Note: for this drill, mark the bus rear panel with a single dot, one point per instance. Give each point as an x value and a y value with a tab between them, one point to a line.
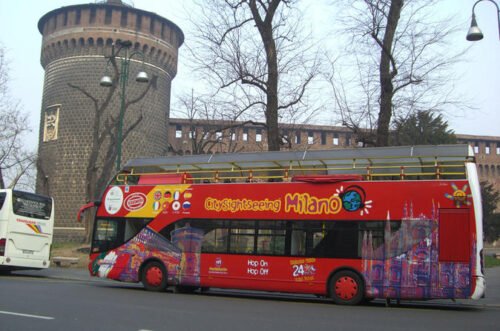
26	229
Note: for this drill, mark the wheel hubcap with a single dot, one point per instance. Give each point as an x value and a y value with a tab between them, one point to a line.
346	288
154	276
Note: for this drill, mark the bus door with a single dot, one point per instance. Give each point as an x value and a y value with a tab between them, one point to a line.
454	235
455	253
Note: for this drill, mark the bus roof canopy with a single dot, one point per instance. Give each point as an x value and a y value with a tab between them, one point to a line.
439	161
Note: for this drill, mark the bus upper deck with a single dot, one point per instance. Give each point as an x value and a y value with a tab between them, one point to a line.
410	163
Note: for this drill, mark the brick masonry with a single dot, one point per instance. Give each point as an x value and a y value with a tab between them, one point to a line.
76	41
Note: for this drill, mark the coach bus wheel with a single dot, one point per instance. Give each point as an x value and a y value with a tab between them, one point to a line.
346	288
154	276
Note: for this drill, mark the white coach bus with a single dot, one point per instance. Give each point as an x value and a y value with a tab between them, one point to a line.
26	228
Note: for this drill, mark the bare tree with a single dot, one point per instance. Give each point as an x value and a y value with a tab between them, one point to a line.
16	162
103	147
399	63
254	50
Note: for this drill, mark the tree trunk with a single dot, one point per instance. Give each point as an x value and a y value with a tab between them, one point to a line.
387	75
2	183
265	28
273	137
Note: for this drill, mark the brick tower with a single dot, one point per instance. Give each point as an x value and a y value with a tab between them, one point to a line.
78	128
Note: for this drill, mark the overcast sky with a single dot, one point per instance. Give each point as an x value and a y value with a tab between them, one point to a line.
480	81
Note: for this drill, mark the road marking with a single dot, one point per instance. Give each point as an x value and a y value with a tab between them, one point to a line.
26	315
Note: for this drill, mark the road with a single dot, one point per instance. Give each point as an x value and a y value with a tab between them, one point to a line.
68	299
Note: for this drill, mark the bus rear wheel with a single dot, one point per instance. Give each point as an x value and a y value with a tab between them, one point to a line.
346	288
154	277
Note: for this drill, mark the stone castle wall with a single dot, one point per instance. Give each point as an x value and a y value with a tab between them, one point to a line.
76	43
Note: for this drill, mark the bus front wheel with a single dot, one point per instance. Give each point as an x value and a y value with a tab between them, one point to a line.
346	288
154	277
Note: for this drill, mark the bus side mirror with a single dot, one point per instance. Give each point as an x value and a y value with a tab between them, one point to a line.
84	209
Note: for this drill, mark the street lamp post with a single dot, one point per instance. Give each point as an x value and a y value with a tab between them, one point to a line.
475	33
106	81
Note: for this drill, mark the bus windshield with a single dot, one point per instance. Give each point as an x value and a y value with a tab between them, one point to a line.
110	233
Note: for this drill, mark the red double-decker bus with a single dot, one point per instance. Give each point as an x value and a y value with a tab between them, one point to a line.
352	225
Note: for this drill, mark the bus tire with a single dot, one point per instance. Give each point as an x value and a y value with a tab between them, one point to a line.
154	276
346	288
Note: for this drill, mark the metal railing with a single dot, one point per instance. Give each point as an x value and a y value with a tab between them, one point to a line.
445	162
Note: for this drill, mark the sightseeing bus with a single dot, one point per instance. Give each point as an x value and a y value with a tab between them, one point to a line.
26	228
351	224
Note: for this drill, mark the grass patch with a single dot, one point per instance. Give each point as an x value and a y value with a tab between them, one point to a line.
491	261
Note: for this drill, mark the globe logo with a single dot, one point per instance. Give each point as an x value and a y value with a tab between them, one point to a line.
351	201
